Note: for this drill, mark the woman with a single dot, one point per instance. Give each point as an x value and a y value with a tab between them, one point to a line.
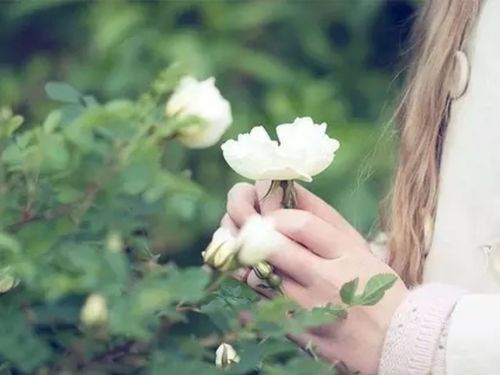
444	222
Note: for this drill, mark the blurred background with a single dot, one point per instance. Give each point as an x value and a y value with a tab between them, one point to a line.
337	61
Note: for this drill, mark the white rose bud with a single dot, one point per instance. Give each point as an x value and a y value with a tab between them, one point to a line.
221	252
204	101
226	356
304	150
7	281
94	311
258	240
114	242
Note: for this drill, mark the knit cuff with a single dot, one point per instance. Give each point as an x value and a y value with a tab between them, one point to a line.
413	336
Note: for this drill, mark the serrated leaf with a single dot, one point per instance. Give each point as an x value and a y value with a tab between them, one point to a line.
305	319
251	354
52	121
62	92
55	152
301	366
187	284
137	176
376	287
9	244
90	101
168	363
348	291
19	344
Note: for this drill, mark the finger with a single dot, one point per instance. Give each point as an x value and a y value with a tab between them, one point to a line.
288	286
269	200
260	286
229	224
308	201
241	203
295	261
298	293
242	274
313	233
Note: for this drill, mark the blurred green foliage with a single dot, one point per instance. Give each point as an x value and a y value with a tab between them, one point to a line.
275	60
81	171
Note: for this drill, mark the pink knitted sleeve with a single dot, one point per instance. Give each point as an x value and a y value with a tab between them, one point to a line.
415	343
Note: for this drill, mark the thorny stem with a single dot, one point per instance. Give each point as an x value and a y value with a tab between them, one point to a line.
289	194
217	282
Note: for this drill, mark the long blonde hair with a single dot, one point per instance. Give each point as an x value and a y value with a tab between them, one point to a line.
422	118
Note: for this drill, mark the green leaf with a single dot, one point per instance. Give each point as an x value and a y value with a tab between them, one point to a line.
376	287
308	318
62	92
52	121
301	366
348	291
137	176
251	354
90	101
68	194
168	78
19	344
167	363
9	244
187	284
9	122
55	152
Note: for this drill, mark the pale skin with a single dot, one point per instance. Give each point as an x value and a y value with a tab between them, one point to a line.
321	251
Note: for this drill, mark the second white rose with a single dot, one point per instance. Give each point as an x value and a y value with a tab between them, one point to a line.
200	99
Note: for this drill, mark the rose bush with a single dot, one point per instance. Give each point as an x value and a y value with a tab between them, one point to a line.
337	70
85	201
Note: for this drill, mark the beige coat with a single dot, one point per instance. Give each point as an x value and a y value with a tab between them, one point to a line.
465	247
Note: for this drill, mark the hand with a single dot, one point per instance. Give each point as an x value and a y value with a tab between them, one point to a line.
320	252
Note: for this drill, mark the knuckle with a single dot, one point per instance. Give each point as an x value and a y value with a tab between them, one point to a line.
237	189
304	220
300	222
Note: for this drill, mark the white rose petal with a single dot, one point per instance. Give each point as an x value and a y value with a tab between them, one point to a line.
257	240
304	150
221	251
203	100
225	356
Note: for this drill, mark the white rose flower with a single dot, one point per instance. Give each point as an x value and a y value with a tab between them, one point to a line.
94	311
257	240
225	356
221	252
304	150
254	243
204	101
